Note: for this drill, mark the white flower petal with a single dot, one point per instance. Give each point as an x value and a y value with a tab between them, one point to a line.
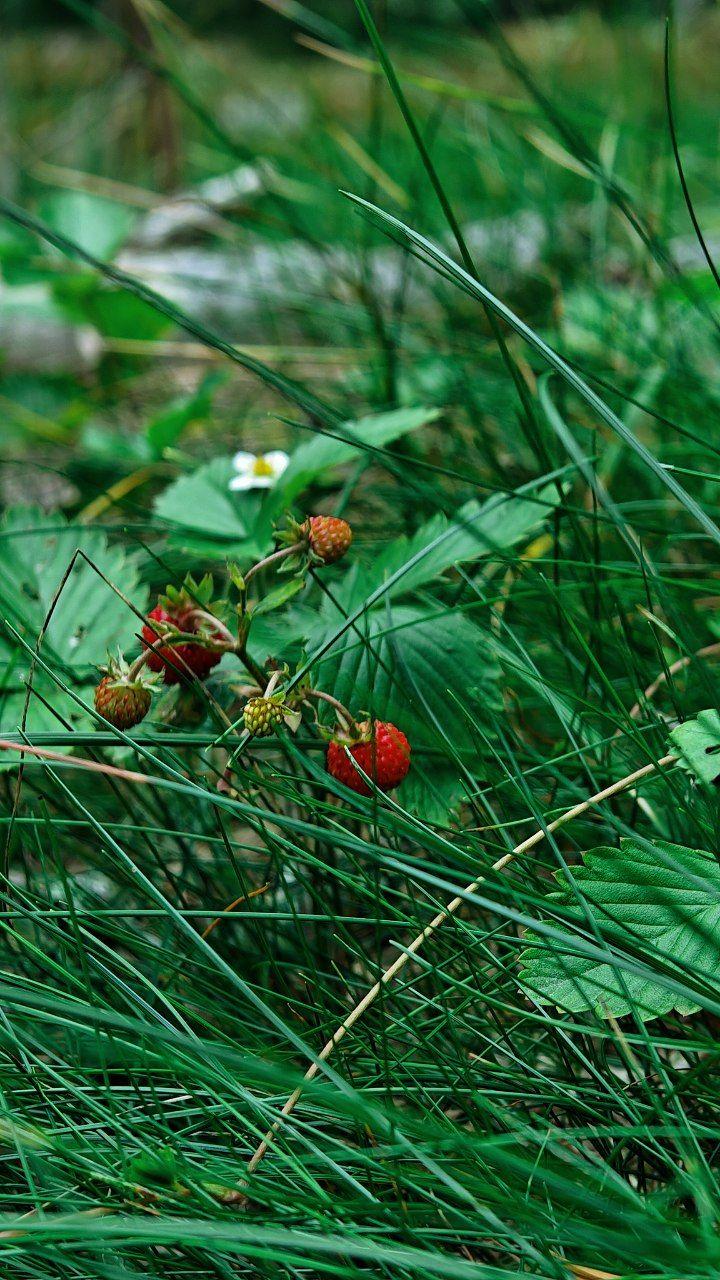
243	461
277	460
241	483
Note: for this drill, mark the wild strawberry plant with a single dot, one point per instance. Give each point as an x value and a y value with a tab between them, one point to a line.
358	735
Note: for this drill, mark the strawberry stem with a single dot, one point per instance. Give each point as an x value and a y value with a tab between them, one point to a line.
272	683
177	638
347	721
202	615
271	559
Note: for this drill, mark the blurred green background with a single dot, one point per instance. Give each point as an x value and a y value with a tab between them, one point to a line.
210	14
205	152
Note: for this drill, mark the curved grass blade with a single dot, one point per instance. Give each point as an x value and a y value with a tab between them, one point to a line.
436	258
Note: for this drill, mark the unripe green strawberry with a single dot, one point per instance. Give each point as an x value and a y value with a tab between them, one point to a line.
262	716
381	750
329	537
121	697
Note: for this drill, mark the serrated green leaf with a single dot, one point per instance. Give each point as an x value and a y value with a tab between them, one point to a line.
413	668
203	515
88	620
697	743
441	544
657	905
476	531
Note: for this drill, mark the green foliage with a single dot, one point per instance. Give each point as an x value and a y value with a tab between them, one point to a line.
77	617
187	916
652	910
205	517
697	743
166	427
433	674
359	441
476	531
98	224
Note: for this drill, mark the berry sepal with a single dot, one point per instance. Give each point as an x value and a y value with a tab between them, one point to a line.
191	613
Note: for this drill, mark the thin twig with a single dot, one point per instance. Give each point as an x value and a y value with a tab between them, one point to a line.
244	897
76	761
407	954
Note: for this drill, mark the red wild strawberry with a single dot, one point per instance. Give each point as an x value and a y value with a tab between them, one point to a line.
329	537
381	750
183	611
122	698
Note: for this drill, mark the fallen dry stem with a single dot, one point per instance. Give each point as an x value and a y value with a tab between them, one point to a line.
76	761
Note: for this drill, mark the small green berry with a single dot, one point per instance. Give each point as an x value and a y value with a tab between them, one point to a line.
262	716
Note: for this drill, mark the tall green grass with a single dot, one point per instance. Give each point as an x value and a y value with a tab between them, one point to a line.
463	1126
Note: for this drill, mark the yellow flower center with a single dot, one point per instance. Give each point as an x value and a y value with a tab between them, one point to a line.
261	467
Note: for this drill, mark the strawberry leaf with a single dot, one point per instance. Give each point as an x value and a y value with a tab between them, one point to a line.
319	456
653	909
203	515
411	666
279	596
475	531
697	743
88	620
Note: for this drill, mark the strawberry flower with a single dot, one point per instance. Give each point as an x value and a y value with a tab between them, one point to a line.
258	470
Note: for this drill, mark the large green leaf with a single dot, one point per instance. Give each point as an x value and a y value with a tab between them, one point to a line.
656	907
477	530
203	514
88	620
323	453
433	675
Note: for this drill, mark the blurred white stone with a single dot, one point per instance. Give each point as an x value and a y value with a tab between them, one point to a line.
200	209
48	346
231	284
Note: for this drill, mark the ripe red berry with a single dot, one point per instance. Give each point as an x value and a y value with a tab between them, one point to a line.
382	751
329	537
122	701
180	662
